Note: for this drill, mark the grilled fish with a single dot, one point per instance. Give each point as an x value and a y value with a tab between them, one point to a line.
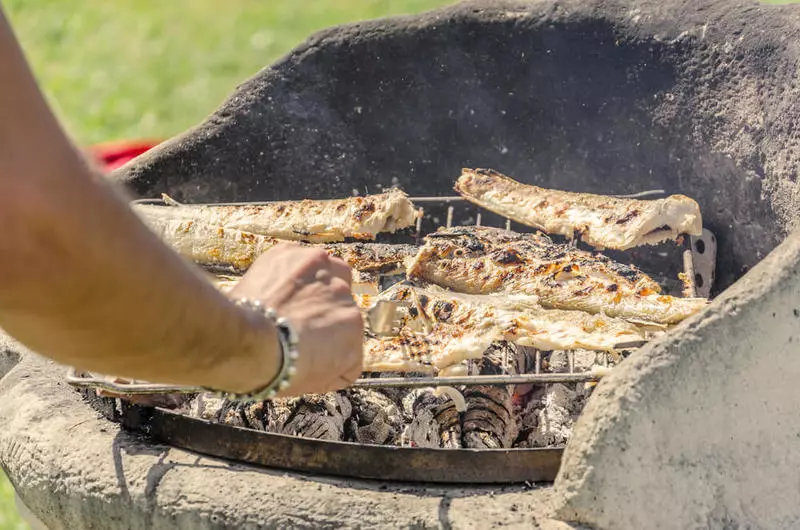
443	347
600	221
482	260
215	246
518	319
308	220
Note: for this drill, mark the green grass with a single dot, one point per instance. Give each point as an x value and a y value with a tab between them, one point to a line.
152	68
8	514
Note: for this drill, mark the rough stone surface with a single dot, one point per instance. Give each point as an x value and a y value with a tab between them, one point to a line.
699	97
77	471
700	429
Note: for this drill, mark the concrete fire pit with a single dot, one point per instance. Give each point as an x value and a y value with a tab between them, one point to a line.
698	429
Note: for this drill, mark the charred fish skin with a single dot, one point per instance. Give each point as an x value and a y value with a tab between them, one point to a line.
601	221
373	257
482	260
514	248
315	221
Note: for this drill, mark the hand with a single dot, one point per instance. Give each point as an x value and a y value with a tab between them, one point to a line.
313	292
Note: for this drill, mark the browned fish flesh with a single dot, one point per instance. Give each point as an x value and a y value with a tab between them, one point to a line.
516	319
482	260
316	221
599	220
440	348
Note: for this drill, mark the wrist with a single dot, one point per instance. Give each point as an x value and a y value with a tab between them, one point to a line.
255	362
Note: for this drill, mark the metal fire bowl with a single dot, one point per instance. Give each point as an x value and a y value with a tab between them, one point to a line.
343	459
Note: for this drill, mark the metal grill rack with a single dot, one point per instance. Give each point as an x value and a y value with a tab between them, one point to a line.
455	210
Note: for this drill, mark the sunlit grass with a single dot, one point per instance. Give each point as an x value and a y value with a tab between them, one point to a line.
8	514
150	68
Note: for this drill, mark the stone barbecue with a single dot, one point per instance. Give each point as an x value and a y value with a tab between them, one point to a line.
696	429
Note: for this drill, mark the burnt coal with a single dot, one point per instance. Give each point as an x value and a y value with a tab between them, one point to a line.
475	416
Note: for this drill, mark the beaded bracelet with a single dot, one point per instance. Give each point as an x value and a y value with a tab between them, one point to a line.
289	354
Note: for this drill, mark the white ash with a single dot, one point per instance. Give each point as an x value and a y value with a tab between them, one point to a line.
584	361
205	406
551	413
432	420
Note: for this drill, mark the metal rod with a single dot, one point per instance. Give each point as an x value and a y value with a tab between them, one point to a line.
641	194
466	380
418	235
387	382
689	285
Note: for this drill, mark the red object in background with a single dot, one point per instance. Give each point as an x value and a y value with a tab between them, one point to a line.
111	155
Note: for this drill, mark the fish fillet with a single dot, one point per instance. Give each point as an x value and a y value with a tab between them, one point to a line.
211	245
517	319
482	260
410	351
308	220
600	221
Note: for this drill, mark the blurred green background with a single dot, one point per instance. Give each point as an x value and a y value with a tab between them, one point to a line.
152	68
128	69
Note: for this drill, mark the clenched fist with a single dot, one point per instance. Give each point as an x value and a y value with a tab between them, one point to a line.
312	291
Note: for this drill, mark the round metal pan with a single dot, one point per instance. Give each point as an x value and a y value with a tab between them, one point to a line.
343	459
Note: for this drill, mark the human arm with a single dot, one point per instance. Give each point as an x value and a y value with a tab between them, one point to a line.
84	282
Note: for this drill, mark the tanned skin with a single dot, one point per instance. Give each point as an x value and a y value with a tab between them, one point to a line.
85	283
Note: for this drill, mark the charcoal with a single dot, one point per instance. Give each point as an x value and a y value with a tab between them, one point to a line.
432	420
375	419
488	422
550	415
320	416
232	413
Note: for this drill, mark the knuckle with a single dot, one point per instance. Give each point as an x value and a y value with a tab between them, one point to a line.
339	287
316	255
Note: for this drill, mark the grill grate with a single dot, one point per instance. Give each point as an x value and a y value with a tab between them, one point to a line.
698	269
